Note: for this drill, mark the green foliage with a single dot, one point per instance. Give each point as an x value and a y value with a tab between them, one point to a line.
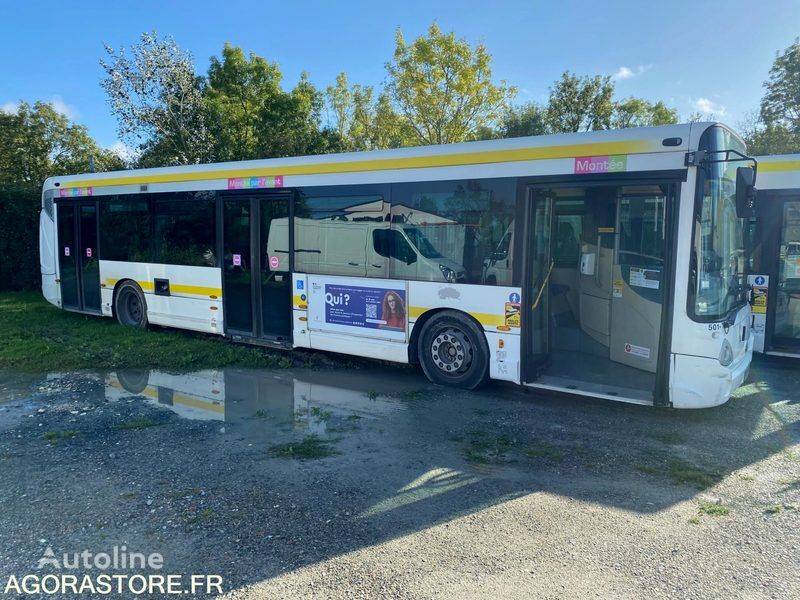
580	104
443	87
311	447
776	128
637	112
527	119
137	423
250	116
37	142
780	106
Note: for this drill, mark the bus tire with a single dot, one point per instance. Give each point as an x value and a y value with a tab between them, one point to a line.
453	351
130	306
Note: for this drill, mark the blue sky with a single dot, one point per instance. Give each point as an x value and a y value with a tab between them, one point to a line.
696	55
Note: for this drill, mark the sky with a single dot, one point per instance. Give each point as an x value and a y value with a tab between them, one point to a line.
708	56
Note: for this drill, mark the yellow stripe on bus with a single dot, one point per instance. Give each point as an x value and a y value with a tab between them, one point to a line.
194	403
485	319
356	166
782	165
177	288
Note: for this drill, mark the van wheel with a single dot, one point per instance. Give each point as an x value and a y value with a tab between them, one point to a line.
130	306
453	351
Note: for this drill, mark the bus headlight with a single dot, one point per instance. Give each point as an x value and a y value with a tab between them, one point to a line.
726	354
449	274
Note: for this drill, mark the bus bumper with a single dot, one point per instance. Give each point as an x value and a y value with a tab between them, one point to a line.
699	382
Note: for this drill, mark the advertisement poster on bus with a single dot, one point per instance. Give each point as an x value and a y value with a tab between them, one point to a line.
375	308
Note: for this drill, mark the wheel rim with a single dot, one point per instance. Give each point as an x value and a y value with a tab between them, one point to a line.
451	351
132	313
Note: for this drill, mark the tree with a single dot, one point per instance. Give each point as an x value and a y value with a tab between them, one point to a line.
363	122
38	142
637	112
443	87
527	119
580	104
780	106
238	92
158	100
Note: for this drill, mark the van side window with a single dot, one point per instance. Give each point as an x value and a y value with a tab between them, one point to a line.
333	235
455	228
390	243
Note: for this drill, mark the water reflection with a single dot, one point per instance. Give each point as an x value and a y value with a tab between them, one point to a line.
315	402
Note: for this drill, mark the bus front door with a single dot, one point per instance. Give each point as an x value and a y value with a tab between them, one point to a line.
256	282
540	270
79	264
783	327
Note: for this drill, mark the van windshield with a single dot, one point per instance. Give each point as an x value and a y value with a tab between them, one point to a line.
421	243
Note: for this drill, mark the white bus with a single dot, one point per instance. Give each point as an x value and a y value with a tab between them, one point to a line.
775	250
622	275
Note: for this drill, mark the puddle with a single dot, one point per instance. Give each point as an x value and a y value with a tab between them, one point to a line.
246	401
254	405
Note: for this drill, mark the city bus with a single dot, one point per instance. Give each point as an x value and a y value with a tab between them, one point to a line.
605	264
775	248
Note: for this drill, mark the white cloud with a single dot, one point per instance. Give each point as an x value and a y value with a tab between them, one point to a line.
709	107
65	109
628	73
9	107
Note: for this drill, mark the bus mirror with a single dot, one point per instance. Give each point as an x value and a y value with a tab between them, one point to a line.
745	192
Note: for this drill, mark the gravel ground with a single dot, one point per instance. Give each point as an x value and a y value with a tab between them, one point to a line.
374	483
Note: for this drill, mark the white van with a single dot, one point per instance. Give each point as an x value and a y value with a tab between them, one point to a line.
359	249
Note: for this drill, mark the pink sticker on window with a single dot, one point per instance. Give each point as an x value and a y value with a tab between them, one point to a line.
88	253
237	260
66	250
274	262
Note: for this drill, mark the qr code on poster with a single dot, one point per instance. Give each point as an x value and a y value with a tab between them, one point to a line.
372	311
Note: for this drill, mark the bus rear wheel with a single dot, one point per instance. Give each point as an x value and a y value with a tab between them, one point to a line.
452	351
130	306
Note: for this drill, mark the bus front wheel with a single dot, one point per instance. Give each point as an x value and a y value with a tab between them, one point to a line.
130	306
453	351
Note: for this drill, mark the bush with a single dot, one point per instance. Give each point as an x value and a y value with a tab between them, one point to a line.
19	237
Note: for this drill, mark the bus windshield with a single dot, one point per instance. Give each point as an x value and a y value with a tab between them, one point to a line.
718	256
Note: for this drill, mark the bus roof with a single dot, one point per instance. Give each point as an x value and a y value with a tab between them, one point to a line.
551	154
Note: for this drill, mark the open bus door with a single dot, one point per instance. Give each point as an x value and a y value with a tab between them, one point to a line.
541	267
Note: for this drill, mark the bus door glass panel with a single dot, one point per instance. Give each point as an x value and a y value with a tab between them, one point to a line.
787	303
90	263
275	274
541	270
638	277
237	268
595	268
68	256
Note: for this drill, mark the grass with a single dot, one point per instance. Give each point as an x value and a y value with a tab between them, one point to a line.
202	516
54	436
775	508
712	509
39	337
311	447
681	472
320	414
138	423
541	449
